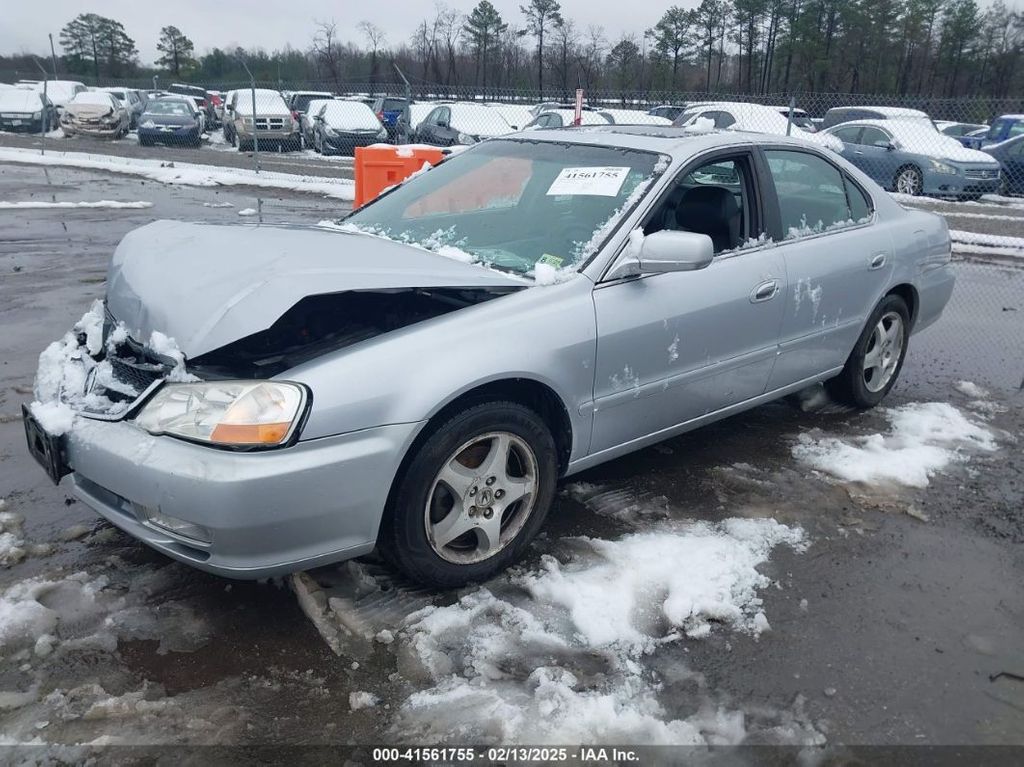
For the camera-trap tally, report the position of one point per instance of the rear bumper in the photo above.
(934, 289)
(20, 125)
(265, 513)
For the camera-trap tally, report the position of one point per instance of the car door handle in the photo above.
(877, 262)
(764, 292)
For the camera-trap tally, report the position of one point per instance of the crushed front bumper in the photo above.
(262, 513)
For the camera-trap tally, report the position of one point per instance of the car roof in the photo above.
(1010, 117)
(655, 138)
(888, 111)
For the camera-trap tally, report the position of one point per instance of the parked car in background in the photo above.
(518, 116)
(668, 111)
(838, 115)
(912, 158)
(216, 102)
(306, 124)
(755, 118)
(564, 118)
(547, 106)
(1010, 155)
(800, 118)
(308, 432)
(340, 126)
(170, 120)
(299, 101)
(632, 117)
(389, 110)
(27, 110)
(1002, 128)
(272, 124)
(59, 92)
(198, 111)
(956, 130)
(95, 113)
(133, 100)
(461, 123)
(415, 115)
(200, 96)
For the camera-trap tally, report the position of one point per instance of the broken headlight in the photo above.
(241, 413)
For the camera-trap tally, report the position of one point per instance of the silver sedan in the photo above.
(418, 377)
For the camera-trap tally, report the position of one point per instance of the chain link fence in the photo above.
(960, 158)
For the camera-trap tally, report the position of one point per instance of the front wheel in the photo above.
(472, 497)
(909, 181)
(876, 360)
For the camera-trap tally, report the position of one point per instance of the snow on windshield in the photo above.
(531, 208)
(352, 115)
(96, 98)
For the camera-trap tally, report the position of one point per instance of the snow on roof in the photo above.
(634, 117)
(920, 138)
(587, 117)
(757, 118)
(893, 111)
(478, 120)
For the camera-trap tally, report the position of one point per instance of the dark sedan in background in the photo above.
(340, 126)
(169, 121)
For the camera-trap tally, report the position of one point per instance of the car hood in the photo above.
(89, 110)
(160, 119)
(208, 285)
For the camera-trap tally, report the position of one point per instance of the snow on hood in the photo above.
(162, 277)
(920, 138)
(21, 101)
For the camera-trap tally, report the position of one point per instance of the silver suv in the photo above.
(271, 121)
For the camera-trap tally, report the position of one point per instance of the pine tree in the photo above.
(177, 50)
(483, 27)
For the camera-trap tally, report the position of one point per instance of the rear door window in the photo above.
(812, 194)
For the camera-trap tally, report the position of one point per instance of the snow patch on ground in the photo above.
(1006, 245)
(924, 438)
(187, 174)
(36, 204)
(551, 655)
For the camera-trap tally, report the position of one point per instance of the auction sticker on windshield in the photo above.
(602, 181)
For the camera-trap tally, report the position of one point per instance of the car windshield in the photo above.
(170, 108)
(511, 204)
(353, 115)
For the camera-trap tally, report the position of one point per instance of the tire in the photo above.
(909, 180)
(484, 540)
(862, 384)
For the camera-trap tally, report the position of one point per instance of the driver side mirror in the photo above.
(666, 251)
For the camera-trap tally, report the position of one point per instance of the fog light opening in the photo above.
(173, 525)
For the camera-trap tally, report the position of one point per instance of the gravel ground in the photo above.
(890, 628)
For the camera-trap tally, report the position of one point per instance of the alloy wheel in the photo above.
(883, 353)
(482, 496)
(908, 182)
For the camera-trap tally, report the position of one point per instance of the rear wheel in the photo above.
(472, 497)
(876, 360)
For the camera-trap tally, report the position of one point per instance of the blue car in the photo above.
(389, 110)
(1002, 128)
(1010, 154)
(170, 121)
(913, 158)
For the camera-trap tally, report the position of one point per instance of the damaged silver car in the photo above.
(418, 377)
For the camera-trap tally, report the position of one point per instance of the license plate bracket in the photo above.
(46, 448)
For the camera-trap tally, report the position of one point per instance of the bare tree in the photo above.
(375, 39)
(327, 51)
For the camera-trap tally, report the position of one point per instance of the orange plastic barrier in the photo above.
(378, 167)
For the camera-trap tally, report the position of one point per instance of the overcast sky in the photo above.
(226, 23)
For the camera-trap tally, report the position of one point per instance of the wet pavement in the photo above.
(891, 626)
